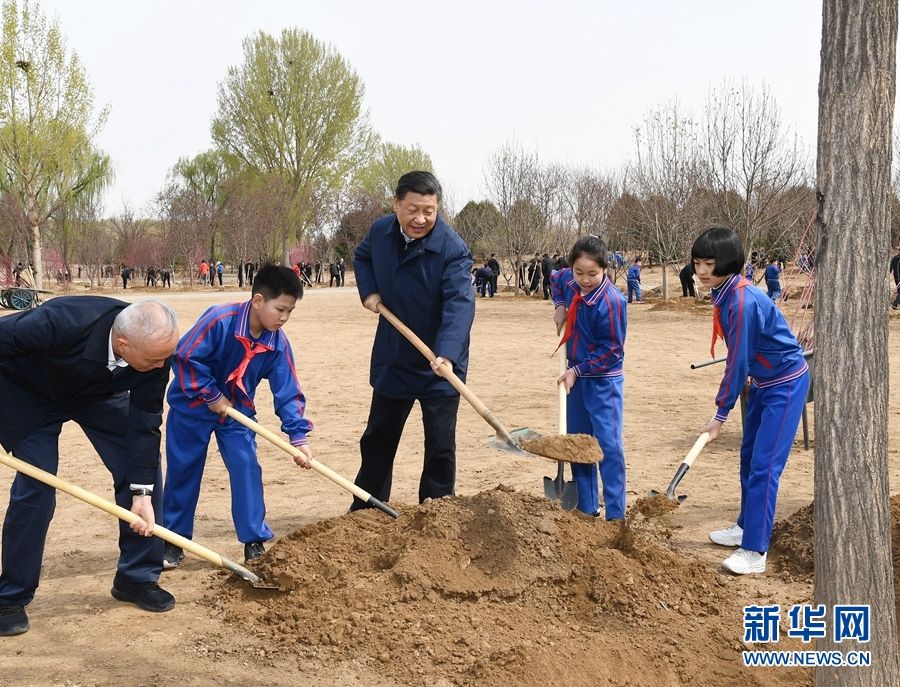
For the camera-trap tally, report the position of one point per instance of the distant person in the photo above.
(166, 278)
(17, 273)
(562, 262)
(204, 273)
(484, 280)
(761, 346)
(534, 274)
(126, 276)
(687, 281)
(420, 268)
(334, 273)
(634, 281)
(218, 365)
(494, 264)
(592, 313)
(548, 264)
(894, 268)
(150, 280)
(220, 269)
(773, 280)
(342, 269)
(318, 272)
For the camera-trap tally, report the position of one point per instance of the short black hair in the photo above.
(723, 246)
(591, 247)
(274, 280)
(423, 183)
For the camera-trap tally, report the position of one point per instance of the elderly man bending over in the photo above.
(105, 365)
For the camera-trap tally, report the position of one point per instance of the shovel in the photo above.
(129, 517)
(505, 440)
(289, 448)
(684, 467)
(558, 489)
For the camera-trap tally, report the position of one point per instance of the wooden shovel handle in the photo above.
(702, 440)
(563, 366)
(292, 450)
(448, 373)
(126, 515)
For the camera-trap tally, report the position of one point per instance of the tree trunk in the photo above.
(37, 252)
(852, 509)
(665, 281)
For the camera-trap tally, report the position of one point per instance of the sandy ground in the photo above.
(353, 614)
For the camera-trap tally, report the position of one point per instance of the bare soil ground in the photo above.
(497, 586)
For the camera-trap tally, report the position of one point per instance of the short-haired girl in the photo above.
(762, 346)
(592, 311)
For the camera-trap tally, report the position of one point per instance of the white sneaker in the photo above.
(743, 562)
(730, 536)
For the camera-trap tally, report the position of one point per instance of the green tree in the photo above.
(204, 176)
(47, 120)
(294, 109)
(390, 162)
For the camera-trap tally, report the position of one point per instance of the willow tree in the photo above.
(47, 119)
(852, 506)
(294, 109)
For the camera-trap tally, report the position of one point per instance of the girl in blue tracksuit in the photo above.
(592, 311)
(761, 346)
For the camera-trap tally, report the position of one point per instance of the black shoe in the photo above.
(253, 550)
(147, 595)
(172, 556)
(13, 620)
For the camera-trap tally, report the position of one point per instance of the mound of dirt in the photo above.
(655, 506)
(682, 305)
(494, 590)
(791, 545)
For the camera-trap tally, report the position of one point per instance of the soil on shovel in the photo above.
(569, 448)
(495, 589)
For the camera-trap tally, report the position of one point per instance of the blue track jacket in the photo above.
(596, 347)
(428, 285)
(760, 343)
(212, 350)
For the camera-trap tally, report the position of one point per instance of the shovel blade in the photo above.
(560, 490)
(520, 435)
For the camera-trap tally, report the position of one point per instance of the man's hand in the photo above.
(559, 317)
(220, 406)
(713, 428)
(304, 457)
(371, 302)
(568, 379)
(438, 362)
(141, 505)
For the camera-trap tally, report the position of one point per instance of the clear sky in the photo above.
(569, 79)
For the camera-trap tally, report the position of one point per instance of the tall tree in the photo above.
(390, 162)
(205, 176)
(294, 109)
(753, 161)
(47, 118)
(852, 513)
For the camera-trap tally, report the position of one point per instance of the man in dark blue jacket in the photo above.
(415, 264)
(104, 364)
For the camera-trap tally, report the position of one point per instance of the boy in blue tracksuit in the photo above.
(634, 281)
(762, 346)
(773, 280)
(593, 313)
(219, 364)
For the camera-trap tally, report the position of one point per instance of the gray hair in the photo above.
(148, 319)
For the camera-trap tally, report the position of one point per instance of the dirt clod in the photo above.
(569, 448)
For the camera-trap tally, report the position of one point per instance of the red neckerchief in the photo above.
(570, 319)
(251, 348)
(718, 332)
